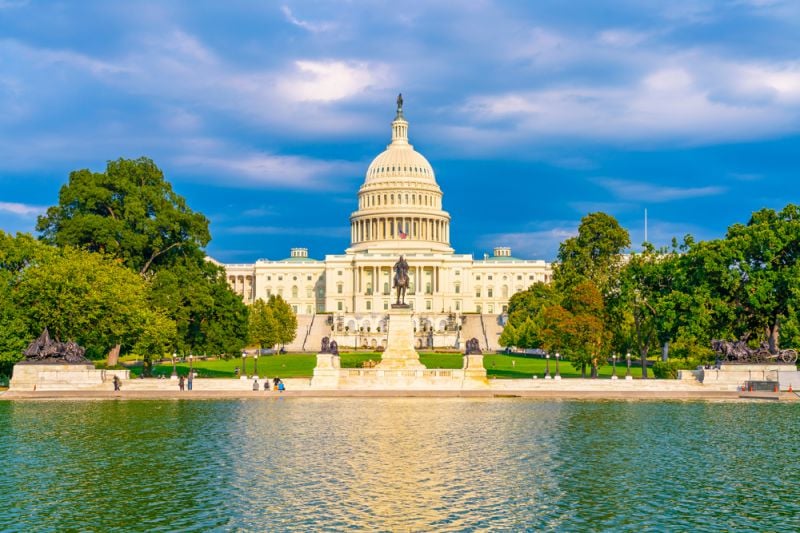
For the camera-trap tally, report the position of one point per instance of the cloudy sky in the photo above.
(265, 115)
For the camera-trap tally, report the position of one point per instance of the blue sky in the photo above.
(266, 115)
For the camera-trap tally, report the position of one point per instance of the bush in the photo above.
(669, 369)
(4, 380)
(379, 349)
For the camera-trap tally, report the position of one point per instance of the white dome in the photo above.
(400, 161)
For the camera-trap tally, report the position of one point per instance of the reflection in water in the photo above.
(397, 464)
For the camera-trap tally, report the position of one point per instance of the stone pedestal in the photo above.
(400, 353)
(31, 376)
(327, 372)
(473, 367)
(732, 376)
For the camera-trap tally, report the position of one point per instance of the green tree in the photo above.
(129, 211)
(88, 298)
(285, 320)
(595, 254)
(262, 326)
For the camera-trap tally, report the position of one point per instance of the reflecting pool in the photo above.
(406, 464)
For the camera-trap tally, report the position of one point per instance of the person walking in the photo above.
(255, 384)
(281, 387)
(117, 383)
(180, 383)
(189, 381)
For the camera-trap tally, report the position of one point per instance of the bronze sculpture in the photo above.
(45, 349)
(401, 280)
(740, 352)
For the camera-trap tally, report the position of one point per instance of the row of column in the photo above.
(242, 285)
(417, 228)
(360, 278)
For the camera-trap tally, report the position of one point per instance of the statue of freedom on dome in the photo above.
(400, 105)
(401, 280)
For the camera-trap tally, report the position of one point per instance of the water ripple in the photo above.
(409, 464)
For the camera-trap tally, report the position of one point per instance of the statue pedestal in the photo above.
(400, 352)
(326, 373)
(473, 367)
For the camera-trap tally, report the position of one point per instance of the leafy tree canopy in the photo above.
(129, 211)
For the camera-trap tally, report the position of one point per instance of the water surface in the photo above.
(411, 464)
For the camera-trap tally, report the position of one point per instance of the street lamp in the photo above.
(191, 358)
(614, 374)
(255, 363)
(558, 375)
(628, 373)
(174, 370)
(547, 371)
(244, 373)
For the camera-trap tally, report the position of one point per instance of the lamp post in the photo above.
(614, 359)
(243, 374)
(547, 368)
(628, 373)
(255, 365)
(174, 369)
(191, 368)
(558, 374)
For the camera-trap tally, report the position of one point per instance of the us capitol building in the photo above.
(400, 212)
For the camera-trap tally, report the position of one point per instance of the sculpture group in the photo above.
(740, 352)
(401, 280)
(45, 349)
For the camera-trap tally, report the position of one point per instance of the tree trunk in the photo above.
(773, 332)
(583, 370)
(147, 367)
(113, 356)
(644, 364)
(665, 351)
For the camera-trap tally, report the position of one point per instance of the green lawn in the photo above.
(302, 365)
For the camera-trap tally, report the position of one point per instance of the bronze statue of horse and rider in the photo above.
(401, 280)
(740, 352)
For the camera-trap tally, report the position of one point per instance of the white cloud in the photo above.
(309, 26)
(23, 210)
(648, 192)
(328, 81)
(268, 170)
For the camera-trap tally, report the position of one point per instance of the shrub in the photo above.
(379, 349)
(669, 369)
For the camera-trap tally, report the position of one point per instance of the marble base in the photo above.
(56, 376)
(400, 353)
(733, 376)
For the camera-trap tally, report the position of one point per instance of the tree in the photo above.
(595, 254)
(524, 315)
(129, 211)
(285, 319)
(88, 298)
(262, 326)
(209, 317)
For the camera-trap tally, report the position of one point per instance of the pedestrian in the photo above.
(281, 387)
(266, 384)
(117, 383)
(180, 383)
(275, 382)
(189, 381)
(255, 384)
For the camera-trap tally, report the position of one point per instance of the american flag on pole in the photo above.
(402, 234)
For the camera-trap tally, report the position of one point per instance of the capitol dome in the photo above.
(400, 203)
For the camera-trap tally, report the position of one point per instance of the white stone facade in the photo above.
(399, 213)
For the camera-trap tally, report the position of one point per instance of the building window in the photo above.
(280, 278)
(339, 288)
(458, 272)
(294, 292)
(308, 309)
(308, 278)
(269, 292)
(519, 278)
(320, 308)
(428, 288)
(339, 306)
(478, 276)
(294, 278)
(458, 305)
(385, 305)
(458, 288)
(269, 278)
(321, 293)
(386, 288)
(478, 308)
(339, 273)
(530, 278)
(490, 308)
(505, 291)
(309, 292)
(489, 292)
(369, 305)
(477, 292)
(490, 277)
(428, 305)
(280, 292)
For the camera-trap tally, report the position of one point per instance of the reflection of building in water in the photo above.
(399, 212)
